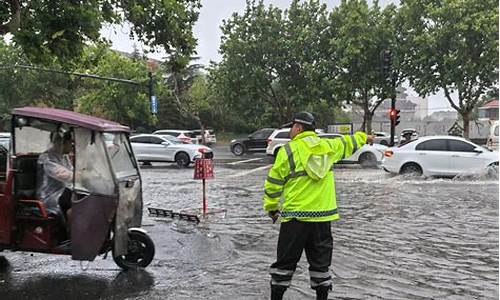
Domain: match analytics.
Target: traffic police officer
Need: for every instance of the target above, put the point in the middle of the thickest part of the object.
(302, 176)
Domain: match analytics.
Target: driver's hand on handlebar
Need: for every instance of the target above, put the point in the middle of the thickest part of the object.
(274, 215)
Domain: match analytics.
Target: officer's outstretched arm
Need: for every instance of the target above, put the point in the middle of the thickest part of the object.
(346, 145)
(275, 182)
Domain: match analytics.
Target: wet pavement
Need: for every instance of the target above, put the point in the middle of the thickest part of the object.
(398, 238)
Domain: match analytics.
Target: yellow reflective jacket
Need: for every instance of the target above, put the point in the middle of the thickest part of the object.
(302, 176)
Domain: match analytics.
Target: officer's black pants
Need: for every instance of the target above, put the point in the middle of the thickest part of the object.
(316, 239)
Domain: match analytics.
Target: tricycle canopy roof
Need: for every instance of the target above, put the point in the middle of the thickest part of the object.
(71, 117)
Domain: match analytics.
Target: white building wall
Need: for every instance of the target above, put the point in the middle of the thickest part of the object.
(422, 108)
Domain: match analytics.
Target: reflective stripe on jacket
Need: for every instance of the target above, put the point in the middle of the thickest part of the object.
(302, 176)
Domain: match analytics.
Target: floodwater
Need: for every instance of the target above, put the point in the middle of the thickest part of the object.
(398, 237)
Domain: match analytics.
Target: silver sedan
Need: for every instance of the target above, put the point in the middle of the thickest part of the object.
(157, 148)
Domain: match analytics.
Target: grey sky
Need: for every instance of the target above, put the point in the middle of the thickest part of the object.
(208, 33)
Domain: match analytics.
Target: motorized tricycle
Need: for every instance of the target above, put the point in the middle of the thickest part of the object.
(106, 190)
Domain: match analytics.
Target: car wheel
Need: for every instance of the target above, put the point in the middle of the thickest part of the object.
(493, 169)
(238, 149)
(384, 143)
(182, 159)
(140, 252)
(411, 169)
(367, 160)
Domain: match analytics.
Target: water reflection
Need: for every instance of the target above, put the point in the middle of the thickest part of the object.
(81, 286)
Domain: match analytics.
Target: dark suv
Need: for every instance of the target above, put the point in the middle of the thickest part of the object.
(255, 142)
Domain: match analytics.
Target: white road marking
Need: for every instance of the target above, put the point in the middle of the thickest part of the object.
(244, 161)
(250, 171)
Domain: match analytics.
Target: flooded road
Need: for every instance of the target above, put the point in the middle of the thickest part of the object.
(398, 238)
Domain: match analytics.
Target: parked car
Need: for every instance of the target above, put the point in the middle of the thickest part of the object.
(383, 138)
(5, 139)
(209, 136)
(255, 142)
(492, 141)
(438, 156)
(276, 140)
(405, 133)
(173, 139)
(366, 156)
(156, 148)
(187, 136)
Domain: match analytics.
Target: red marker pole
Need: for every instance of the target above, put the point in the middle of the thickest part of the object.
(204, 169)
(204, 198)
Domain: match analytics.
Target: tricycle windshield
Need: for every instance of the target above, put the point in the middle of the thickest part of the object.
(92, 169)
(33, 137)
(120, 154)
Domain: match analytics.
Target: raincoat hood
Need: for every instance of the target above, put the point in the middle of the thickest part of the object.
(315, 155)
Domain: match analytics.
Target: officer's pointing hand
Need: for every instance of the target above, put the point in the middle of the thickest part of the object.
(274, 215)
(370, 139)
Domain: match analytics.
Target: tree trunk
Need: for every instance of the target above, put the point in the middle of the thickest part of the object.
(466, 119)
(363, 125)
(202, 127)
(368, 121)
(367, 116)
(203, 137)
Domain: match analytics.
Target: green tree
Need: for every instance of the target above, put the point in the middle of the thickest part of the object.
(199, 102)
(21, 87)
(61, 28)
(124, 103)
(274, 62)
(360, 34)
(451, 45)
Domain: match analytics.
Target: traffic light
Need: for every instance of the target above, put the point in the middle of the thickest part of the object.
(394, 115)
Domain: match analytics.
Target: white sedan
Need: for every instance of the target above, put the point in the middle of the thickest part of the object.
(438, 156)
(366, 156)
(156, 148)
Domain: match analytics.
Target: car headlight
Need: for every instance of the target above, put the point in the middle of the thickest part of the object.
(232, 141)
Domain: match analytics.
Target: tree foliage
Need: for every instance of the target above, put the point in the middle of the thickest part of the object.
(124, 103)
(274, 61)
(20, 87)
(451, 45)
(360, 34)
(60, 28)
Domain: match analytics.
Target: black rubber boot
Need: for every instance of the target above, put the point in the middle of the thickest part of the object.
(277, 292)
(322, 293)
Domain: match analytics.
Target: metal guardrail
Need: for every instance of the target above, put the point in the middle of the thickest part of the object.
(167, 213)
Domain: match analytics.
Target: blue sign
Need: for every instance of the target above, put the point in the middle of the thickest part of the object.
(154, 105)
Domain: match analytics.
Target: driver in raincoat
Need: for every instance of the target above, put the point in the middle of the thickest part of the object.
(55, 172)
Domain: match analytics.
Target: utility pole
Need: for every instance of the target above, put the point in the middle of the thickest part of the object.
(152, 96)
(394, 113)
(390, 76)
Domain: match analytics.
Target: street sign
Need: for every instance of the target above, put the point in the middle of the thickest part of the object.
(154, 105)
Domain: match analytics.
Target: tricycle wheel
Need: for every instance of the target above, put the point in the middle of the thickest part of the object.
(141, 251)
